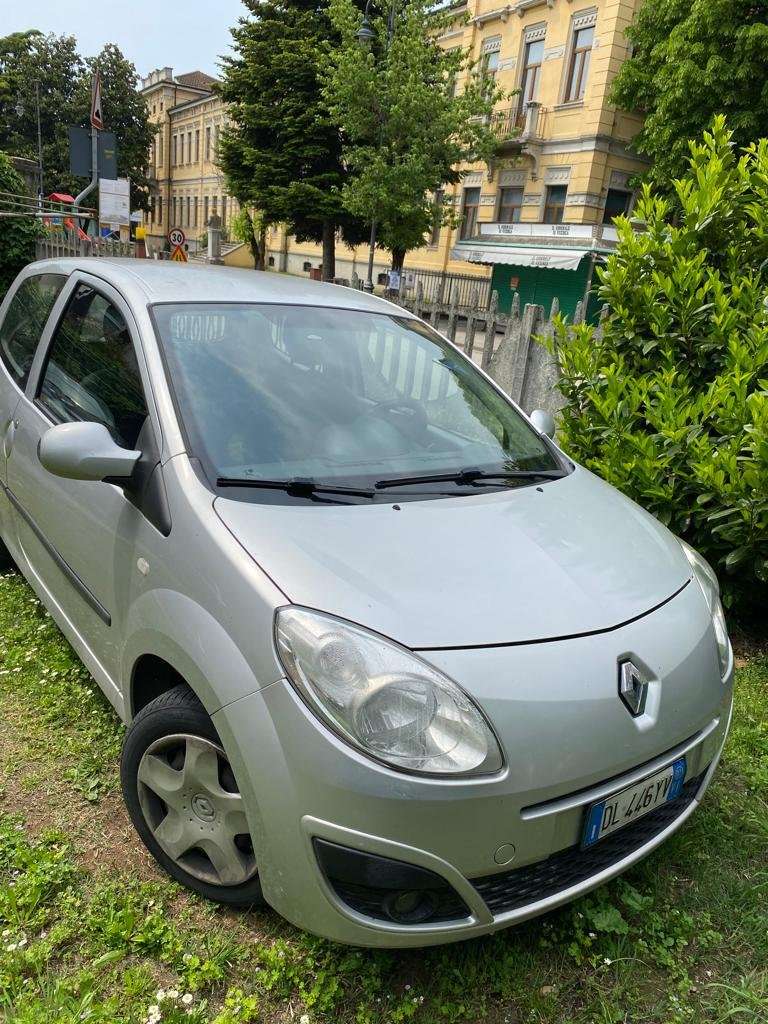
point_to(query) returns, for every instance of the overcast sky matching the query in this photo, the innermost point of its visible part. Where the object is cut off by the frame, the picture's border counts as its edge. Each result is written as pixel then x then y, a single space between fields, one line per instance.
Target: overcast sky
pixel 187 35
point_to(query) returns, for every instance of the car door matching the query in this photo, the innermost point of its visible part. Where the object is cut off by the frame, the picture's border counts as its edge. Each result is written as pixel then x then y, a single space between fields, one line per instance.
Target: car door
pixel 23 316
pixel 78 538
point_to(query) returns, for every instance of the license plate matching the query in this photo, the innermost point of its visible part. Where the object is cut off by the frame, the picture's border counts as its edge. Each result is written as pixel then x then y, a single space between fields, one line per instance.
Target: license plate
pixel 630 804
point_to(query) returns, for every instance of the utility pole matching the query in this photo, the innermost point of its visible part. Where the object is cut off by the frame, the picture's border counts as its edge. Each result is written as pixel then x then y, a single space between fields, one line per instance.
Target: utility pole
pixel 39 151
pixel 365 36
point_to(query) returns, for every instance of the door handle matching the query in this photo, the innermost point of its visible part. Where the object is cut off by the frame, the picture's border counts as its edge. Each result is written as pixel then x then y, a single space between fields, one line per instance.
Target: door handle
pixel 9 437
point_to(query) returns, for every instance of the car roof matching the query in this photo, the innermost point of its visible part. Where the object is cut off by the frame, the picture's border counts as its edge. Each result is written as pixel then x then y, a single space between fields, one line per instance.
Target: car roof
pixel 151 281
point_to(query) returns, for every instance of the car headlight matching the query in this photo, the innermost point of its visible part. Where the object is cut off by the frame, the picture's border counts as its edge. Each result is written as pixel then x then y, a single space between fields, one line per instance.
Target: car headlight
pixel 707 580
pixel 382 698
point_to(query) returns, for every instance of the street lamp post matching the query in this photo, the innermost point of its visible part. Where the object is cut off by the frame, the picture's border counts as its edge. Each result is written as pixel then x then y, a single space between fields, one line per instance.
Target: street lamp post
pixel 20 111
pixel 365 37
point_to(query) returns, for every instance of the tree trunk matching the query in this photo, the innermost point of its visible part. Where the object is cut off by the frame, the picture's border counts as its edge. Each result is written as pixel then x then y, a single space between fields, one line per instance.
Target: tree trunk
pixel 329 250
pixel 398 259
pixel 256 243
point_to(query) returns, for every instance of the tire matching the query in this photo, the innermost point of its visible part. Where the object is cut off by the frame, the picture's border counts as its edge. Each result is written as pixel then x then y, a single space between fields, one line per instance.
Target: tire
pixel 180 791
pixel 6 561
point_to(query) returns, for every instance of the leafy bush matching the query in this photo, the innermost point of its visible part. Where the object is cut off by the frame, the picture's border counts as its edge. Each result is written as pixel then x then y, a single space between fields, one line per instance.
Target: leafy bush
pixel 668 398
pixel 17 234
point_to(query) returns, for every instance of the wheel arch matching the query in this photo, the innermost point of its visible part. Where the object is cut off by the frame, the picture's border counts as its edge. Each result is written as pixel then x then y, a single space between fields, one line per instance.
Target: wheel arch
pixel 172 639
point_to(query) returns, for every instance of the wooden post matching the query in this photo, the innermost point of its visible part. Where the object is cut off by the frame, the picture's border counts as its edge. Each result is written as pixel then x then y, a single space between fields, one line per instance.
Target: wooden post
pixel 452 313
pixel 490 330
pixel 469 338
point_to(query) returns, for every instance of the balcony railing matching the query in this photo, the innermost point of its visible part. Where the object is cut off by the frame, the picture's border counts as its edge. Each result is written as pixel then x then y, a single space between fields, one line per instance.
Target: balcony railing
pixel 519 124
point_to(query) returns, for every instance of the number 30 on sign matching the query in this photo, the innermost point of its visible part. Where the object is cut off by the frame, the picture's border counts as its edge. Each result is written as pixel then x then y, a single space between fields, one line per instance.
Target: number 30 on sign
pixel 177 238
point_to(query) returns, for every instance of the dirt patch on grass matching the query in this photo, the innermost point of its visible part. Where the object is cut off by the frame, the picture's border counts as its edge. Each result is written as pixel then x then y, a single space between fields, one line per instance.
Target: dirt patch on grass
pixel 747 648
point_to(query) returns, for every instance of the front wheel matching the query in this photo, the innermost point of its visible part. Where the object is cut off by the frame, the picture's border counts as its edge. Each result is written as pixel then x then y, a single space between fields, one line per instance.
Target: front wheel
pixel 6 562
pixel 182 797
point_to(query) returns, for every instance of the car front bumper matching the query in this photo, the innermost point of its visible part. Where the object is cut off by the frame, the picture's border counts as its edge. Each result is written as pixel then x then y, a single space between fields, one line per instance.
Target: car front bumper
pixel 507 845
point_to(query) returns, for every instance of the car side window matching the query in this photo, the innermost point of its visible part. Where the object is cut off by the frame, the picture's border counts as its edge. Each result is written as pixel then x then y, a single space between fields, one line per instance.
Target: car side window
pixel 92 373
pixel 24 321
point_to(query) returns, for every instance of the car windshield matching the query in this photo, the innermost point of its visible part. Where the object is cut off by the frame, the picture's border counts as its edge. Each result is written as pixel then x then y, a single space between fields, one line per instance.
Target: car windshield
pixel 335 397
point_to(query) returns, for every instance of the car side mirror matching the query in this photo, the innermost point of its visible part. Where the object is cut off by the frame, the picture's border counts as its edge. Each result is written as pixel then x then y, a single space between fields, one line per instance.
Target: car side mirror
pixel 85 451
pixel 544 422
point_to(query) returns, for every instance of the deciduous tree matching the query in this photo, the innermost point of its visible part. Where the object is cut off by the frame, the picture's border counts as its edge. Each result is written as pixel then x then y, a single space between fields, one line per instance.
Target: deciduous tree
pixel 405 125
pixel 64 82
pixel 693 59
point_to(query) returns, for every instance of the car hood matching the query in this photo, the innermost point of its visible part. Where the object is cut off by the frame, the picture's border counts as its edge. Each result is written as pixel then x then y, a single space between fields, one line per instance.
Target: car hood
pixel 526 564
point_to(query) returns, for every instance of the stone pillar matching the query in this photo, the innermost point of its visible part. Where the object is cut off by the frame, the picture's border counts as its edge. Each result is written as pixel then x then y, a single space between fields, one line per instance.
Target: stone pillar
pixel 214 240
pixel 531 119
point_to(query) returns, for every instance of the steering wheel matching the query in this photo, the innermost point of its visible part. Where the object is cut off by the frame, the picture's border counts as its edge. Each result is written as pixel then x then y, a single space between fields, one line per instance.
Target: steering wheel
pixel 410 416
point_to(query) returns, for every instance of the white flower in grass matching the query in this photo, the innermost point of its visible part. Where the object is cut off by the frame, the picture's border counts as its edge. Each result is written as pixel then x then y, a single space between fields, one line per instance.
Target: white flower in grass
pixel 187 998
pixel 607 961
pixel 304 1018
pixel 159 996
pixel 172 993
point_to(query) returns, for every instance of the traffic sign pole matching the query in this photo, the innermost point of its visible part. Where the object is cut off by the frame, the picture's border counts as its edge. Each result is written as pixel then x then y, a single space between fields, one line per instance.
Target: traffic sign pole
pixel 97 122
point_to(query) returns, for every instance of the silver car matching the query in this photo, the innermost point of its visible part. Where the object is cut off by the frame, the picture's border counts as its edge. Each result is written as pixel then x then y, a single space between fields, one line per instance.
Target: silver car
pixel 389 661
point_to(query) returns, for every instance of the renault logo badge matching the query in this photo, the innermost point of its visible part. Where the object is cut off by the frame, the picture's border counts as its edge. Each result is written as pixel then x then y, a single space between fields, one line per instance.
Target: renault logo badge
pixel 633 688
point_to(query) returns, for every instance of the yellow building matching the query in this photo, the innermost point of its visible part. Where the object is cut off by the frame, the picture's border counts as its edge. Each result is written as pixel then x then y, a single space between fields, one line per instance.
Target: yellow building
pixel 533 222
pixel 186 184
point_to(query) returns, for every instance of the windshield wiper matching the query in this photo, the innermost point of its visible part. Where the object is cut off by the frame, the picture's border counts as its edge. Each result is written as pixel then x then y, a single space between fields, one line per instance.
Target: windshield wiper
pixel 472 477
pixel 297 488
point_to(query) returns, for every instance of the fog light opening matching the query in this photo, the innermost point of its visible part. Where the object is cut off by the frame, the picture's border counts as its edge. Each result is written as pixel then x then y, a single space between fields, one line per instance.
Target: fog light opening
pixel 410 906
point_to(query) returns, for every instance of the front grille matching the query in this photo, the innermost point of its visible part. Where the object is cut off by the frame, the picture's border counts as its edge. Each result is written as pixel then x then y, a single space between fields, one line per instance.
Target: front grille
pixel 509 890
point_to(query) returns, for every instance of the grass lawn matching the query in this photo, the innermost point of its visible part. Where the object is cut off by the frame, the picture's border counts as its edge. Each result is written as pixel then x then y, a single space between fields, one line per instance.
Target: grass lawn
pixel 91 930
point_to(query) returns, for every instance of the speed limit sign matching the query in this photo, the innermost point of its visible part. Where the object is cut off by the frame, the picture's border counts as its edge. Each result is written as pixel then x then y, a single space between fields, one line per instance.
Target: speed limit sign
pixel 176 237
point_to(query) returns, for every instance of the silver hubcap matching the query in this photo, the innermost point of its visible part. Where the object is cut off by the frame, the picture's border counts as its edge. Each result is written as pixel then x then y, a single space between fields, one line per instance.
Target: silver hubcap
pixel 191 804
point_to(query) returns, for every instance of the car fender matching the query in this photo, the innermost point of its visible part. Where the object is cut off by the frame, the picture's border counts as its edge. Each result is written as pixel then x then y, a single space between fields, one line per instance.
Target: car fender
pixel 171 626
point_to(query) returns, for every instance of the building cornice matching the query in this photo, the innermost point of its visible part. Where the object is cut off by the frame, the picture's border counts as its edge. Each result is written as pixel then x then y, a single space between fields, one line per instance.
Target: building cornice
pixel 520 9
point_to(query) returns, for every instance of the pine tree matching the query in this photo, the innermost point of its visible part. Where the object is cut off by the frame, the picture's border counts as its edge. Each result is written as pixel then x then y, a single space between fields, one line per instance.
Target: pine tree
pixel 281 153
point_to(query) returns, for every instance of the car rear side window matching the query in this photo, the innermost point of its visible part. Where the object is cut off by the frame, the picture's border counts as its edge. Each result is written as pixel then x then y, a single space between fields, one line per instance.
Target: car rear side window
pixel 92 373
pixel 24 321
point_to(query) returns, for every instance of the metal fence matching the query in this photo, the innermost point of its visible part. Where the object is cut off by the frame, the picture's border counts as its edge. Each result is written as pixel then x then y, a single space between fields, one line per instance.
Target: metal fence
pixel 61 243
pixel 465 290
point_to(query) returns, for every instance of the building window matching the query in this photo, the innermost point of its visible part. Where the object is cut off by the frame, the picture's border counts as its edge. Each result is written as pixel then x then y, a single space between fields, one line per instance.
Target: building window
pixel 470 207
pixel 216 142
pixel 159 209
pixel 306 266
pixel 617 204
pixel 578 68
pixel 197 146
pixel 223 211
pixel 173 210
pixel 189 211
pixel 271 261
pixel 205 210
pixel 554 205
pixel 437 208
pixel 510 205
pixel 215 206
pixel 490 64
pixel 189 147
pixel 160 150
pixel 173 151
pixel 533 58
pixel 208 143
pixel 194 212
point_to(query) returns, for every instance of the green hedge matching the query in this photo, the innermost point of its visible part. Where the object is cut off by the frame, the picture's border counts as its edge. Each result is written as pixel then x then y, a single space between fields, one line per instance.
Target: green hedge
pixel 669 401
pixel 17 234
